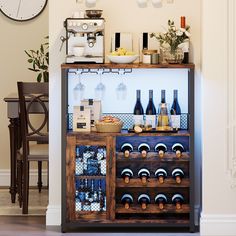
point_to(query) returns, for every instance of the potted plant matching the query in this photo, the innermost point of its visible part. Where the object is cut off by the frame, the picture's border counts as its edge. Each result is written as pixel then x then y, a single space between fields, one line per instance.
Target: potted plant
pixel 39 60
pixel 172 41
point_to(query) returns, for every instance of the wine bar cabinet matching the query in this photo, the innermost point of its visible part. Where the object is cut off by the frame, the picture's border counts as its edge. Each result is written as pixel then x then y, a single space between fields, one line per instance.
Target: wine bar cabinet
pixel 127 180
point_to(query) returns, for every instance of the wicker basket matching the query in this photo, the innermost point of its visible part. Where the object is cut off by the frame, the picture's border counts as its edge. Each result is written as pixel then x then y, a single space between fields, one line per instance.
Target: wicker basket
pixel 103 127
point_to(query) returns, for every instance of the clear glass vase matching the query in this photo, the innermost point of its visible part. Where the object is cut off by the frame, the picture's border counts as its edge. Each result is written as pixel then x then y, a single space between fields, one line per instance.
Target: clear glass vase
pixel 173 56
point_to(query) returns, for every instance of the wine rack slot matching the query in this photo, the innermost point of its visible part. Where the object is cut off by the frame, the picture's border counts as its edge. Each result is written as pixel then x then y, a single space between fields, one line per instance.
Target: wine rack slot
pixel 169 156
pixel 152 183
pixel 152 209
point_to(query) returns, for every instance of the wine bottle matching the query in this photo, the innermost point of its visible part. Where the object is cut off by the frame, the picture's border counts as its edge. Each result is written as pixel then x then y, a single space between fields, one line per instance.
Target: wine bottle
pixel 161 149
pixel 138 110
pixel 178 200
pixel 178 175
pixel 163 96
pixel 150 113
pixel 127 174
pixel 178 148
pixel 144 200
pixel 126 148
pixel 185 47
pixel 161 174
pixel 161 200
pixel 163 115
pixel 175 111
pixel 144 148
pixel 127 200
pixel 144 174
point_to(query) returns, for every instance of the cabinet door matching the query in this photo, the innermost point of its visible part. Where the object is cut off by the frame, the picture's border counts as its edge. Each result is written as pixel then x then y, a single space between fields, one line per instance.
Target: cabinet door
pixel 89 178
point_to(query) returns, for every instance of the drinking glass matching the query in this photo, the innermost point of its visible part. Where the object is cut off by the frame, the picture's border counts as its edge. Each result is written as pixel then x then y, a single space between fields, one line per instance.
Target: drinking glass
pixel 121 89
pixel 100 88
pixel 79 89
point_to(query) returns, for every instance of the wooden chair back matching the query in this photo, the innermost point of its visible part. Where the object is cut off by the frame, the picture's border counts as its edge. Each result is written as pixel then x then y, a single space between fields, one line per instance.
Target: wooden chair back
pixel 33 99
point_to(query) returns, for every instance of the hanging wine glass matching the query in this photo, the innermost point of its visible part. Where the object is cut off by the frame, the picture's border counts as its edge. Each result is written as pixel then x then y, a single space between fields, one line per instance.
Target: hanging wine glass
pixel 121 89
pixel 100 88
pixel 79 89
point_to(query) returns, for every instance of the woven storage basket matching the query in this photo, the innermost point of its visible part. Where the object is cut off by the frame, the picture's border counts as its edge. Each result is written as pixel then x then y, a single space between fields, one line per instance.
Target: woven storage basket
pixel 109 127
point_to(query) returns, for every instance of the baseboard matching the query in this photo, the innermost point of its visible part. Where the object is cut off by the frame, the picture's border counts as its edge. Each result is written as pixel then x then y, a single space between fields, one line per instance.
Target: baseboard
pixel 53 215
pixel 217 225
pixel 5 177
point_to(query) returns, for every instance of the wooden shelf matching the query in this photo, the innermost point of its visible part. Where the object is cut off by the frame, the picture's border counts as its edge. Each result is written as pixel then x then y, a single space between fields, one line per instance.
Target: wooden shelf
pixel 152 209
pixel 90 215
pixel 90 177
pixel 156 223
pixel 124 133
pixel 153 156
pixel 152 183
pixel 127 66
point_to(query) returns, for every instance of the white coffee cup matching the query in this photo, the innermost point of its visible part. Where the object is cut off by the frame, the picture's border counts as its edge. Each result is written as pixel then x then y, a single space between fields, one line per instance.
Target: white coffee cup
pixel 157 3
pixel 78 51
pixel 142 3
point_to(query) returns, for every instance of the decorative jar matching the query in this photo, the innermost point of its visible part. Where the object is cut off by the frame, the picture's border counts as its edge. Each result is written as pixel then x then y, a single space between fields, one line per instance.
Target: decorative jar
pixel 173 56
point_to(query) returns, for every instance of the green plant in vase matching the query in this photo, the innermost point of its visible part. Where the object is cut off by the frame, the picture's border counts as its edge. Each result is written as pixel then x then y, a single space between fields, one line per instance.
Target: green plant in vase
pixel 39 60
pixel 172 41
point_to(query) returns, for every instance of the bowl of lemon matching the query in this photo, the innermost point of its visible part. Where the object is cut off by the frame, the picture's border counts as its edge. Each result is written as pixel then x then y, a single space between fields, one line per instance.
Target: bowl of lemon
pixel 122 56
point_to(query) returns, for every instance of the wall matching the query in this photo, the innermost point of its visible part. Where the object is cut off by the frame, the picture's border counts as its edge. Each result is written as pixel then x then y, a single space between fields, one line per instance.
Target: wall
pixel 15 38
pixel 219 124
pixel 123 16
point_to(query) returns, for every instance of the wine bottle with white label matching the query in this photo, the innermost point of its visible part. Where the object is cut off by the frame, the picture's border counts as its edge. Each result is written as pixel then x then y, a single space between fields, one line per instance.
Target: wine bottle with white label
pixel 178 200
pixel 144 200
pixel 178 175
pixel 161 174
pixel 127 200
pixel 161 149
pixel 144 174
pixel 161 200
pixel 144 148
pixel 178 148
pixel 138 110
pixel 127 148
pixel 150 113
pixel 163 112
pixel 127 174
pixel 175 111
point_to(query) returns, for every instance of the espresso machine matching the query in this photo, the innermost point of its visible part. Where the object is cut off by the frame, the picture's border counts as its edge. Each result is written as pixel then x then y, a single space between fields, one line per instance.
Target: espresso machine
pixel 88 34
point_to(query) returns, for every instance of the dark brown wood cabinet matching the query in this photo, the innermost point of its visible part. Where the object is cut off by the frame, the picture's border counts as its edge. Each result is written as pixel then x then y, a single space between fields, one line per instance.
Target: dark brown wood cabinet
pixel 108 183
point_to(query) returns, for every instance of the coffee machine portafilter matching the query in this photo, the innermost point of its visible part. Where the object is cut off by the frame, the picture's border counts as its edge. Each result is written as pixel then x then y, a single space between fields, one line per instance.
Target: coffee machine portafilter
pixel 87 33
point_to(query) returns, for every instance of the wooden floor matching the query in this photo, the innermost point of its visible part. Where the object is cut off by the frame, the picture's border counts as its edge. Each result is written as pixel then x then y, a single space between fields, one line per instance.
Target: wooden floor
pixel 37 203
pixel 13 223
pixel 35 226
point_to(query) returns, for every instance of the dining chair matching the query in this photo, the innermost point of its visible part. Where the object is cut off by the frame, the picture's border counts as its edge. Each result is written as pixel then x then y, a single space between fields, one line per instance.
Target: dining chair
pixel 33 99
